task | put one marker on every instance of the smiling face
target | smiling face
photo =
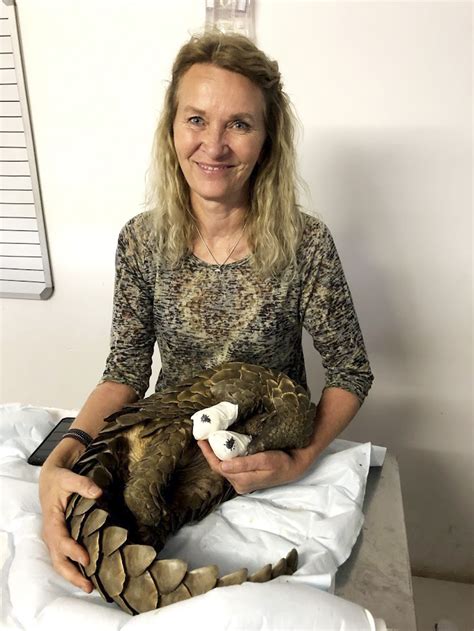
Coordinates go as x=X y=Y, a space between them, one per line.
x=219 y=132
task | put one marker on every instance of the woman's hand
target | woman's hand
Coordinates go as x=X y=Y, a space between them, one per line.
x=55 y=486
x=57 y=482
x=259 y=471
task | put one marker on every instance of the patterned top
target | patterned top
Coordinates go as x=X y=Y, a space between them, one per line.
x=202 y=315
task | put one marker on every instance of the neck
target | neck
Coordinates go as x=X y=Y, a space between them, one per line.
x=221 y=233
x=216 y=219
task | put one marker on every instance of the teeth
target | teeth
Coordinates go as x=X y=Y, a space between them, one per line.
x=209 y=168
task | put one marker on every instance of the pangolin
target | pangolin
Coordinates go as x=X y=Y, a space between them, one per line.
x=155 y=479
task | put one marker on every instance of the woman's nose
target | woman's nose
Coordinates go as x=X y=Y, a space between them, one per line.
x=215 y=141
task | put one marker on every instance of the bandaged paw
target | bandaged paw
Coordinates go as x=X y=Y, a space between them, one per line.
x=228 y=445
x=218 y=417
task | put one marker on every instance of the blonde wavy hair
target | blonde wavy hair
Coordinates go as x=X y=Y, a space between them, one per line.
x=274 y=223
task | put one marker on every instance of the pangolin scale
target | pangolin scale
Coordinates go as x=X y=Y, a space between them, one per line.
x=155 y=479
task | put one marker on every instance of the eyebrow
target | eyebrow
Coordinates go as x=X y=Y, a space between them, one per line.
x=195 y=110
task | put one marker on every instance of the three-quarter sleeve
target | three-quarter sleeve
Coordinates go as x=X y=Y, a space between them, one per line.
x=132 y=335
x=327 y=313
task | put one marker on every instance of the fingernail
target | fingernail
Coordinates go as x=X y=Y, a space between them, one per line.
x=94 y=491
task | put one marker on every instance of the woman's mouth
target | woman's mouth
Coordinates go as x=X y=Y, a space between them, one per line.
x=213 y=168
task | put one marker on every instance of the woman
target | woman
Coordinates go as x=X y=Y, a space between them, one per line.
x=224 y=268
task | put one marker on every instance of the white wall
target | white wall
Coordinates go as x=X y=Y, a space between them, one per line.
x=383 y=93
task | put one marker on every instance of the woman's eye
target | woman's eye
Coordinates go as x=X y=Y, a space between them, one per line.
x=240 y=125
x=195 y=120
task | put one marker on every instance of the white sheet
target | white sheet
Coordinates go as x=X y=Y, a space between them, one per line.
x=320 y=515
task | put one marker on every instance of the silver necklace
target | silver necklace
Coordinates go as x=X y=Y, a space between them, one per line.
x=221 y=265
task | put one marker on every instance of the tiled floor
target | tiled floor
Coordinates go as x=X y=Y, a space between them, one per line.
x=443 y=600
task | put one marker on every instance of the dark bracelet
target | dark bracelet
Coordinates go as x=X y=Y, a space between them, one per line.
x=80 y=435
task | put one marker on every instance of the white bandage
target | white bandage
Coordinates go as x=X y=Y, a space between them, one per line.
x=212 y=419
x=228 y=445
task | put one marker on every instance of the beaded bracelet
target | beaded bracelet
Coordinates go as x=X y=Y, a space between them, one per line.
x=80 y=435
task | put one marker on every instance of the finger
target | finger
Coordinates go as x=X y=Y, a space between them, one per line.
x=210 y=456
x=69 y=571
x=71 y=549
x=248 y=481
x=64 y=549
x=75 y=483
x=60 y=542
x=243 y=464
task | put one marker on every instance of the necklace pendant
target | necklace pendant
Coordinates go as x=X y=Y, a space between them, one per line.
x=220 y=266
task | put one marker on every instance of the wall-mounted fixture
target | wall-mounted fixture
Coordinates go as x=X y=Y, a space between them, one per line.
x=231 y=15
x=24 y=261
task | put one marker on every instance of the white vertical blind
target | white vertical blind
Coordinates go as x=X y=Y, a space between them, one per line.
x=24 y=261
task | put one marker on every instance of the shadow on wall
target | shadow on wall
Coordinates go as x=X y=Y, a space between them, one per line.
x=438 y=512
x=448 y=553
x=384 y=196
x=371 y=245
x=357 y=183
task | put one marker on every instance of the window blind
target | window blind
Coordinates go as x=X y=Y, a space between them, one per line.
x=24 y=260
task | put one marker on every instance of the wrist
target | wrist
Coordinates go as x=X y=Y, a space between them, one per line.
x=308 y=454
x=298 y=463
x=80 y=435
x=65 y=454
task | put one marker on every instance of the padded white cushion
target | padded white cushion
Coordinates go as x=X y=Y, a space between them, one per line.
x=320 y=515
